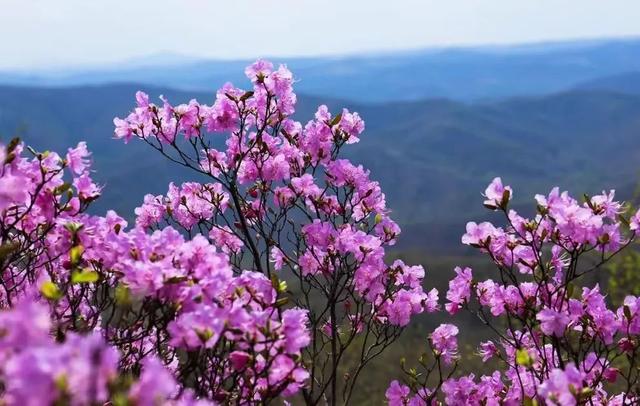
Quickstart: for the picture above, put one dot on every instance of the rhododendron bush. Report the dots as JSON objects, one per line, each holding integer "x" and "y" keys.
{"x": 557, "y": 342}
{"x": 199, "y": 288}
{"x": 265, "y": 278}
{"x": 166, "y": 311}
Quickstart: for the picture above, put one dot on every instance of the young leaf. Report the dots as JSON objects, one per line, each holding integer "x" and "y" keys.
{"x": 85, "y": 276}
{"x": 50, "y": 291}
{"x": 75, "y": 254}
{"x": 523, "y": 358}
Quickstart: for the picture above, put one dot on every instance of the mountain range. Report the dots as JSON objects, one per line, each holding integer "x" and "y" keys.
{"x": 462, "y": 74}
{"x": 433, "y": 158}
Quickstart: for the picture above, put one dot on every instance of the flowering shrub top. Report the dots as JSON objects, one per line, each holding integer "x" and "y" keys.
{"x": 557, "y": 343}
{"x": 265, "y": 277}
{"x": 138, "y": 299}
{"x": 197, "y": 291}
{"x": 279, "y": 197}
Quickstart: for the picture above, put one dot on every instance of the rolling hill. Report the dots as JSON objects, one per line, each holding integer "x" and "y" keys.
{"x": 627, "y": 82}
{"x": 433, "y": 158}
{"x": 465, "y": 74}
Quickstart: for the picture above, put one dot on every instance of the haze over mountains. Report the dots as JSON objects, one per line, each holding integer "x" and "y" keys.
{"x": 465, "y": 74}
{"x": 558, "y": 114}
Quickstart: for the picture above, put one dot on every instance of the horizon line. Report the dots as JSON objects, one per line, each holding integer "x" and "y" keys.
{"x": 188, "y": 59}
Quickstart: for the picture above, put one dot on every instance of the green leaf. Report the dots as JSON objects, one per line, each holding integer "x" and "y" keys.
{"x": 523, "y": 358}
{"x": 623, "y": 219}
{"x": 506, "y": 195}
{"x": 7, "y": 249}
{"x": 282, "y": 301}
{"x": 86, "y": 276}
{"x": 176, "y": 279}
{"x": 204, "y": 335}
{"x": 123, "y": 295}
{"x": 50, "y": 291}
{"x": 62, "y": 383}
{"x": 72, "y": 227}
{"x": 587, "y": 200}
{"x": 119, "y": 399}
{"x": 75, "y": 254}
{"x": 275, "y": 281}
{"x": 13, "y": 144}
{"x": 246, "y": 96}
{"x": 62, "y": 188}
{"x": 282, "y": 287}
{"x": 586, "y": 393}
{"x": 571, "y": 289}
{"x": 336, "y": 120}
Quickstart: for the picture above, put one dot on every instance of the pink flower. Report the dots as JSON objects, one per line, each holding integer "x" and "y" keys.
{"x": 239, "y": 359}
{"x": 278, "y": 258}
{"x": 552, "y": 322}
{"x": 122, "y": 129}
{"x": 634, "y": 223}
{"x": 487, "y": 350}
{"x": 260, "y": 67}
{"x": 397, "y": 394}
{"x": 405, "y": 303}
{"x": 459, "y": 291}
{"x": 156, "y": 384}
{"x": 226, "y": 239}
{"x": 142, "y": 99}
{"x": 477, "y": 234}
{"x": 86, "y": 188}
{"x": 78, "y": 158}
{"x": 294, "y": 322}
{"x": 497, "y": 195}
{"x": 410, "y": 276}
{"x": 13, "y": 191}
{"x": 199, "y": 328}
{"x": 444, "y": 342}
{"x": 305, "y": 186}
{"x": 606, "y": 204}
{"x": 151, "y": 212}
{"x": 352, "y": 125}
{"x": 562, "y": 385}
{"x": 460, "y": 391}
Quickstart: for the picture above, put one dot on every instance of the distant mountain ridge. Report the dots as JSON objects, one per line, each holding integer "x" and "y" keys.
{"x": 627, "y": 82}
{"x": 433, "y": 158}
{"x": 463, "y": 74}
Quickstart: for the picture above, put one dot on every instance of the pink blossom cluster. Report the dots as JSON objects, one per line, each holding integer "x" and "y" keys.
{"x": 279, "y": 195}
{"x": 80, "y": 370}
{"x": 267, "y": 276}
{"x": 38, "y": 193}
{"x": 141, "y": 299}
{"x": 231, "y": 325}
{"x": 197, "y": 291}
{"x": 285, "y": 167}
{"x": 562, "y": 345}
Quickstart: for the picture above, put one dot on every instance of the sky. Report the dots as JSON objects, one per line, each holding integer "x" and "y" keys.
{"x": 39, "y": 34}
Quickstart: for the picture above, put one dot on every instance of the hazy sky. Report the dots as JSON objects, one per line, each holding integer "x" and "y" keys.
{"x": 43, "y": 33}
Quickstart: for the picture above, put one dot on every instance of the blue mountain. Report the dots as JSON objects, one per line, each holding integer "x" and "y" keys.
{"x": 463, "y": 74}
{"x": 433, "y": 158}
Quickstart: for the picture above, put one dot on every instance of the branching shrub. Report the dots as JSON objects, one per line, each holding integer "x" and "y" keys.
{"x": 557, "y": 343}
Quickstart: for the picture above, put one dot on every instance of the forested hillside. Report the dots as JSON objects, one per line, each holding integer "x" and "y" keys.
{"x": 431, "y": 157}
